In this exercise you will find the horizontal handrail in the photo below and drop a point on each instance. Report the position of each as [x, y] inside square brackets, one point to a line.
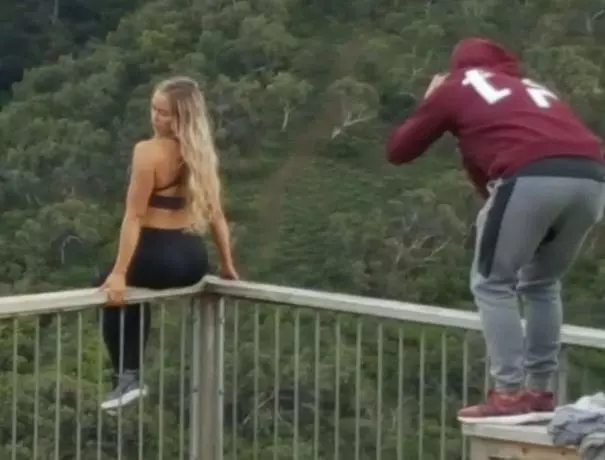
[32, 304]
[77, 299]
[382, 308]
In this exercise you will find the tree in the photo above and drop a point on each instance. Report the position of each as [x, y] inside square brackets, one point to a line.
[358, 103]
[288, 93]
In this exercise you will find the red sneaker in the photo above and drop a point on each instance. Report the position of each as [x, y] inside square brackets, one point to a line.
[540, 401]
[503, 408]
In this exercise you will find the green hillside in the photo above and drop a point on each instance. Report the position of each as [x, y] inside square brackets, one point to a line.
[302, 93]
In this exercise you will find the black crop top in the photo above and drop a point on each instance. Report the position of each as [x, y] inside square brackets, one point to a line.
[173, 203]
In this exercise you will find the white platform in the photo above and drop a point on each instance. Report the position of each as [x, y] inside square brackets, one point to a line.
[516, 442]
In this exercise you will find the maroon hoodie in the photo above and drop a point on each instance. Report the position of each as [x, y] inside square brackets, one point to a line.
[501, 120]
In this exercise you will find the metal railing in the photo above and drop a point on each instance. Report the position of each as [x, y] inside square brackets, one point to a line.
[240, 370]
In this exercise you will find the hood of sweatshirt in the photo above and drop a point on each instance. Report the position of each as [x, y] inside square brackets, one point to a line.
[484, 53]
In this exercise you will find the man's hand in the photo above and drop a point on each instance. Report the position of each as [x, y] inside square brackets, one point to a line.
[435, 83]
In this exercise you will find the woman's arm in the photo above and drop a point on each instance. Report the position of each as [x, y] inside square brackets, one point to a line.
[220, 234]
[137, 198]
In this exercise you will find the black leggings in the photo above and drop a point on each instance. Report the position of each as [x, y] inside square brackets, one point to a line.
[163, 259]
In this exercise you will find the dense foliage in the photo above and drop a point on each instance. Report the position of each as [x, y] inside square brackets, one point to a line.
[302, 94]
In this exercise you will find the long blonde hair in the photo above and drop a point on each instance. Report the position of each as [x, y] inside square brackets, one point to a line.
[192, 129]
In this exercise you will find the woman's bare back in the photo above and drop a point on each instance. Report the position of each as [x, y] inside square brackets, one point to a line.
[166, 205]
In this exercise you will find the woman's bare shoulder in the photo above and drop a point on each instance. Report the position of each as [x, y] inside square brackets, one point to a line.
[158, 147]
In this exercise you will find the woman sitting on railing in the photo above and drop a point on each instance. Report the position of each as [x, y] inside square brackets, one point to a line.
[173, 195]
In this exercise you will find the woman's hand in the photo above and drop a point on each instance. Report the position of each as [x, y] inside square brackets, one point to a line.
[115, 287]
[228, 272]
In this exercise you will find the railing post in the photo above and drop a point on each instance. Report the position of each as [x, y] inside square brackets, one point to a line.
[562, 376]
[207, 386]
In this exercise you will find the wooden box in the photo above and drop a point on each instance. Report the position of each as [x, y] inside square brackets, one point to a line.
[518, 442]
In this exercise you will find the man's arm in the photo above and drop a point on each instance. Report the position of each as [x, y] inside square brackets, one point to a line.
[478, 179]
[427, 124]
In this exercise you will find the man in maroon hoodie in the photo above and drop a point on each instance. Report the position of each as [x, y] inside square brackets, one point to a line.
[542, 174]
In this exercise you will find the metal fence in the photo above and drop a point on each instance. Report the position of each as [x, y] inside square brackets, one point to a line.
[241, 371]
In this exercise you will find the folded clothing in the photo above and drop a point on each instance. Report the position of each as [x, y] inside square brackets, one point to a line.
[581, 424]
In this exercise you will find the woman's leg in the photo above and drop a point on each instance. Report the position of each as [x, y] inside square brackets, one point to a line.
[138, 322]
[125, 331]
[164, 259]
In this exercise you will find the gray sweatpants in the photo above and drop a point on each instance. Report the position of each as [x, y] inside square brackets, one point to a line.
[528, 233]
